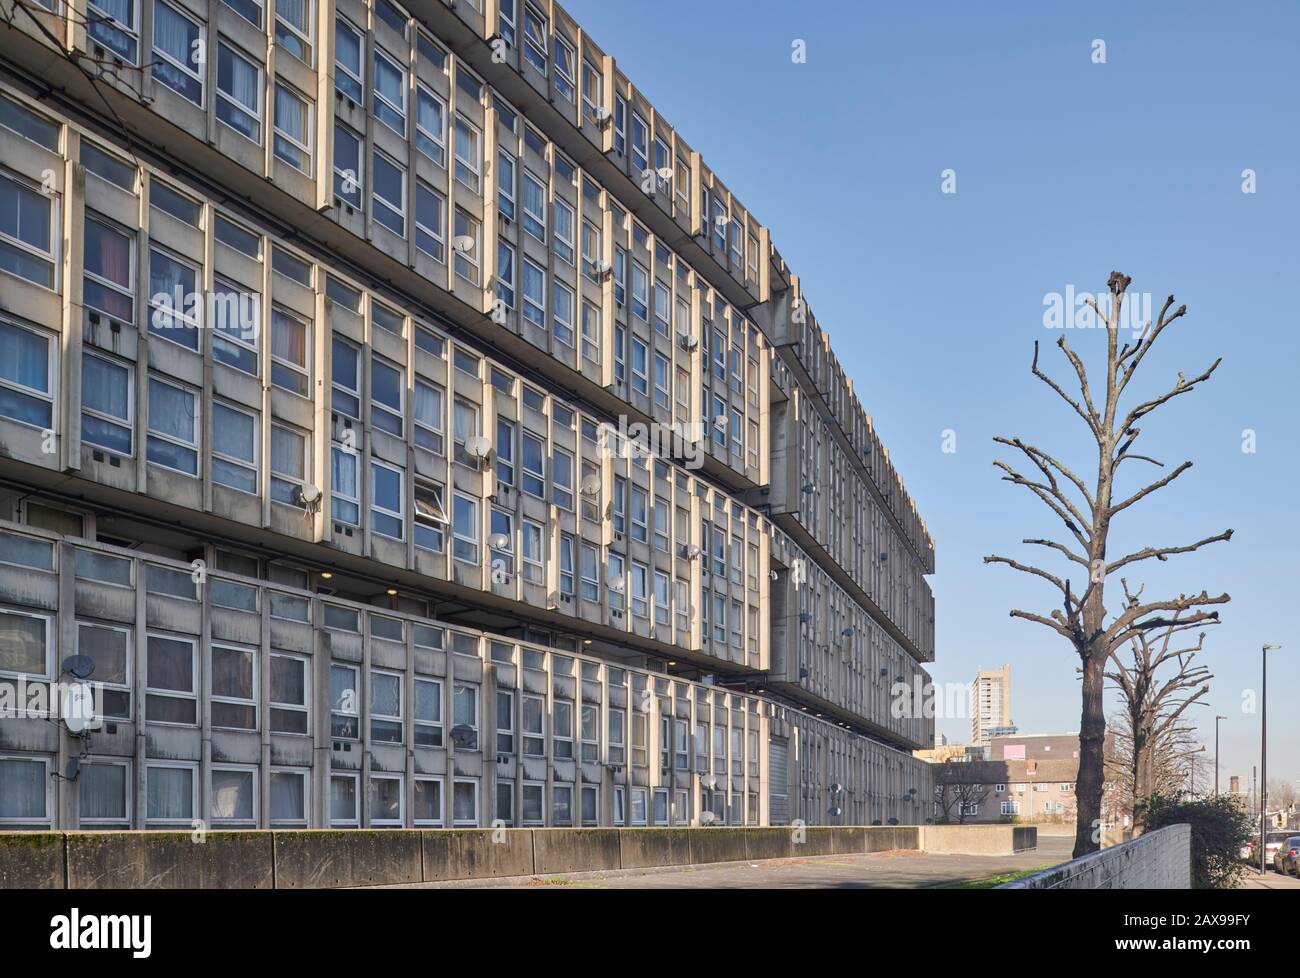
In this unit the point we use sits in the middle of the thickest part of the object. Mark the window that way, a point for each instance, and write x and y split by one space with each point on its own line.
640 144
505 721
347 165
27 241
391 15
387 385
429 414
469 154
177 39
390 93
346 397
531 538
293 28
104 801
534 207
532 726
171 793
430 125
535 34
385 707
109 648
506 21
288 798
239 93
26 646
467 241
234 687
288 465
289 694
289 351
565 68
662 607
172 286
566 565
640 375
464 701
639 514
427 799
292 128
115 24
237 318
386 499
563 231
26 376
430 221
534 293
107 404
173 441
344 810
348 45
534 466
171 671
590 573
388 193
345 703
640 292
428 713
17 119
640 591
465 528
109 266
593 88
465 426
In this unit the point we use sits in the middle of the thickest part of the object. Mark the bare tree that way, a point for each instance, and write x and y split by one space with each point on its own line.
1087 512
954 788
1154 706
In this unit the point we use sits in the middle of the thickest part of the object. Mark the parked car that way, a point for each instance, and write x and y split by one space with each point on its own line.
1286 856
1272 843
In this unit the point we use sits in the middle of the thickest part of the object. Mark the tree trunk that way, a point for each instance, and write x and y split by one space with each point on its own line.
1142 779
1092 739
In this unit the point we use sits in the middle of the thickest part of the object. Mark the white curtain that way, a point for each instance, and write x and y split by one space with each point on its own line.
171 790
174 34
103 791
232 794
22 789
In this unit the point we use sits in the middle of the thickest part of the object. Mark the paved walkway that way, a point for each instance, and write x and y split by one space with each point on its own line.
900 869
1251 880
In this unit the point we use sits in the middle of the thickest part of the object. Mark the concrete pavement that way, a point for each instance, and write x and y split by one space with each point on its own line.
1269 881
897 869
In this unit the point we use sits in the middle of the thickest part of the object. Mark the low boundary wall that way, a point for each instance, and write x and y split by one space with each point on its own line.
1160 860
293 859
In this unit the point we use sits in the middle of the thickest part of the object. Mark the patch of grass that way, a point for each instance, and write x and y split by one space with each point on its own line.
992 881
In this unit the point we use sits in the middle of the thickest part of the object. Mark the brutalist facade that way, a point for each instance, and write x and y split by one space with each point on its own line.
413 430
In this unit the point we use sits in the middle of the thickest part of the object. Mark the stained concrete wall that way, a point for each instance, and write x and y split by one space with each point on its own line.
292 859
988 840
1160 860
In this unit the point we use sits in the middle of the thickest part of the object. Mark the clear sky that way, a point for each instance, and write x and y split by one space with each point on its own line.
1065 170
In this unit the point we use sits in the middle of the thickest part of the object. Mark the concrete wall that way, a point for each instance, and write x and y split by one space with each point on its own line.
978 839
1160 860
351 857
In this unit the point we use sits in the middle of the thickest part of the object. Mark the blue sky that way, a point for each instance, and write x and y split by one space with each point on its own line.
1065 170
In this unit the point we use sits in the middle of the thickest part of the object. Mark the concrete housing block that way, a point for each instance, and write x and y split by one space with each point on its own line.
357 857
169 860
32 861
471 854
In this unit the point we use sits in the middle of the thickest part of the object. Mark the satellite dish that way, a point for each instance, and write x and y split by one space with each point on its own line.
601 113
498 541
601 267
720 421
692 551
79 708
665 173
836 810
464 243
462 735
615 583
836 788
707 818
689 341
80 666
591 485
478 446
72 769
309 494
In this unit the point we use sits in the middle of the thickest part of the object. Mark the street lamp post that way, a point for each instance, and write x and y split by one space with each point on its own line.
1216 754
1263 756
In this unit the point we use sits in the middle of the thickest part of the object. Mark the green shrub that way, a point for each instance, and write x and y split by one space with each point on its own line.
1220 827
